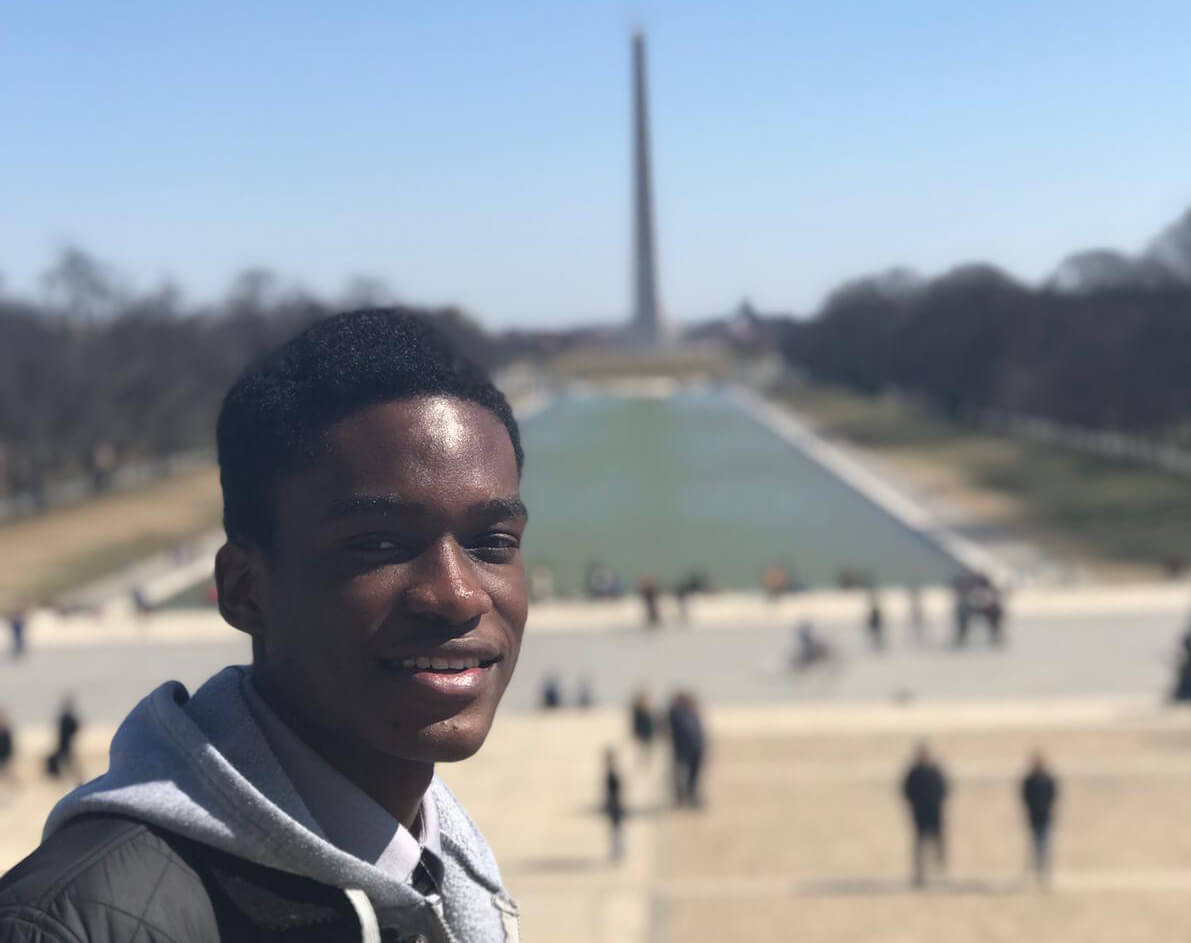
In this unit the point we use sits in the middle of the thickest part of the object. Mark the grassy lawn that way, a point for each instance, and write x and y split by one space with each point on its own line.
1078 504
45 555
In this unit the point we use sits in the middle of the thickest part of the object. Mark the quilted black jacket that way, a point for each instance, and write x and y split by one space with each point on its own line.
102 879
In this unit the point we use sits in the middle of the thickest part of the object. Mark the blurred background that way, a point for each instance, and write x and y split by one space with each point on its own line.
850 348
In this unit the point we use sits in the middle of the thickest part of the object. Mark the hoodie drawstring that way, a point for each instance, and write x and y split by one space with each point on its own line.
369 927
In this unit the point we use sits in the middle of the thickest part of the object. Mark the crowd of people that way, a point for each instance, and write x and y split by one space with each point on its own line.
976 598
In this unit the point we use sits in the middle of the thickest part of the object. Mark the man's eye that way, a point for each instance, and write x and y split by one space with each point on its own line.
495 548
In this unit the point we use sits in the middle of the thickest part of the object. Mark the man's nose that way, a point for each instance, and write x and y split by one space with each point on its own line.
445 585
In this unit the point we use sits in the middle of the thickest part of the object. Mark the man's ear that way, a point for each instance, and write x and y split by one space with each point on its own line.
238 582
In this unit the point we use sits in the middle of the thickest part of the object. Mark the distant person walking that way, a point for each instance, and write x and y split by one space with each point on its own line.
695 582
994 613
775 581
688 744
63 759
650 593
809 649
875 622
602 582
1182 684
643 726
976 595
614 804
925 790
16 626
962 612
6 747
682 595
551 693
917 614
1038 793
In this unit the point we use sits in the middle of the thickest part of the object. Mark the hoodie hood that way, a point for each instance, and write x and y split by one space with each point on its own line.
201 767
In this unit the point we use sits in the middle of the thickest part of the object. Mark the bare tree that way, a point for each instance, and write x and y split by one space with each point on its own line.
81 286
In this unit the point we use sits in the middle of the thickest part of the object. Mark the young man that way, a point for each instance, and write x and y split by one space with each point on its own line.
370 480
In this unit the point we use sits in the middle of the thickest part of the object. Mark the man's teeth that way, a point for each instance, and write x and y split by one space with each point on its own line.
440 664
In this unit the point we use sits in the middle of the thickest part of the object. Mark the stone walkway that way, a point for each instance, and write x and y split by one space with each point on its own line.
117 624
803 836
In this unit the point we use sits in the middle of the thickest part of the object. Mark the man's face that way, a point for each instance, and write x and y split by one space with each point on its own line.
394 603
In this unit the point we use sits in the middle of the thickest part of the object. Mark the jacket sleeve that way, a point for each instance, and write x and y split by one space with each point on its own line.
104 881
94 923
30 925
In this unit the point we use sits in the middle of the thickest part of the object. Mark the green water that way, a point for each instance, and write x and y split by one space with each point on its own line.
664 486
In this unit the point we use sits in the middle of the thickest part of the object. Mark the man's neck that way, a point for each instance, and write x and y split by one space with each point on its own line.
397 785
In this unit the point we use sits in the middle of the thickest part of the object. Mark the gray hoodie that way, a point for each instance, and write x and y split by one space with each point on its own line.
201 767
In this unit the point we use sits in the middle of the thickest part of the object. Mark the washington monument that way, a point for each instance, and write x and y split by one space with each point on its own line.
647 327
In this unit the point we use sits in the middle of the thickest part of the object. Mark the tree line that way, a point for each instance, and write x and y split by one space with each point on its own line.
975 341
1104 344
94 376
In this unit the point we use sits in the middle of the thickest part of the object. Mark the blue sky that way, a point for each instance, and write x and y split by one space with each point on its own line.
478 153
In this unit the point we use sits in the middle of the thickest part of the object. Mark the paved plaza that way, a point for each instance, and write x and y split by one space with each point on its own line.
1062 643
803 836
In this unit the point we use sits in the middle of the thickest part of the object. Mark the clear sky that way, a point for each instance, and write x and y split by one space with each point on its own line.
477 153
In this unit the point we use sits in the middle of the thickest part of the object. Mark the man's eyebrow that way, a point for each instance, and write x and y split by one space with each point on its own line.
500 508
497 508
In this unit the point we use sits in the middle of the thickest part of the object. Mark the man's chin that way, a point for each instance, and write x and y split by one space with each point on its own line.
447 741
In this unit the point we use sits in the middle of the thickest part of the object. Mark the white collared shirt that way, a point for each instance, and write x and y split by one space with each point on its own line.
349 818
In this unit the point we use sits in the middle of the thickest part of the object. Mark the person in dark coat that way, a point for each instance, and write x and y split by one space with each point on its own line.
6 748
925 790
16 625
63 760
614 804
995 614
551 693
1038 793
650 593
962 610
642 724
875 623
689 744
1182 686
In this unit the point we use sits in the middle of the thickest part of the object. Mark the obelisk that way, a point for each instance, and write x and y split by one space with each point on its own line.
647 319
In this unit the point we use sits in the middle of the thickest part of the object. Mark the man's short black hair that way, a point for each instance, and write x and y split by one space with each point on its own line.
274 415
